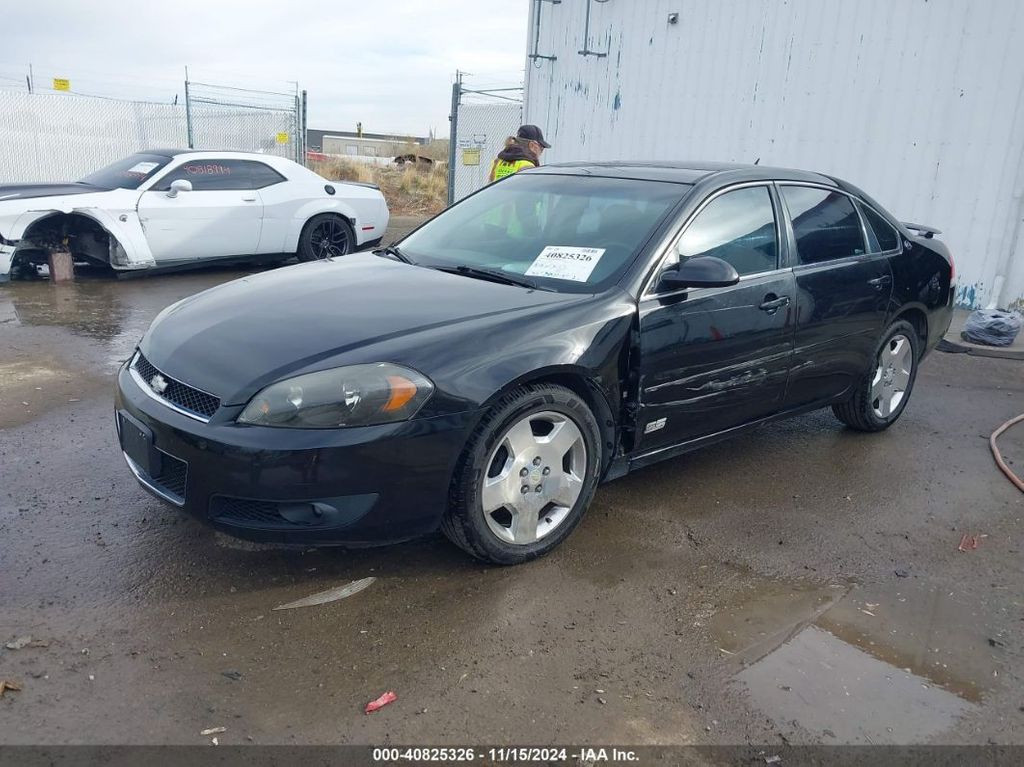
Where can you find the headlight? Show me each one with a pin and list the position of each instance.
(358, 395)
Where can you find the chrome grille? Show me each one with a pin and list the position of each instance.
(195, 401)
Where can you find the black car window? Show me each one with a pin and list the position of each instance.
(210, 175)
(885, 235)
(825, 224)
(263, 175)
(738, 227)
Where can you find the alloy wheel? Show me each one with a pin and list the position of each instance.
(892, 376)
(329, 239)
(534, 477)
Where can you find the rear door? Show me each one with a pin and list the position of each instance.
(715, 358)
(221, 216)
(842, 293)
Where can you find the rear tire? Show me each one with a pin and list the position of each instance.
(880, 399)
(542, 438)
(326, 235)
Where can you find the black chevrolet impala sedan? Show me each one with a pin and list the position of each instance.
(555, 330)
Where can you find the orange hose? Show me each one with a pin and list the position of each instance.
(999, 456)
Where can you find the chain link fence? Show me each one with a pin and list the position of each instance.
(53, 136)
(481, 120)
(222, 117)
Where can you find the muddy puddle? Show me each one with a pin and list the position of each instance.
(29, 388)
(844, 663)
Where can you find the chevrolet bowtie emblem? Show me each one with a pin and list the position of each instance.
(158, 383)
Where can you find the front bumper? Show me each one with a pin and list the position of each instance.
(373, 484)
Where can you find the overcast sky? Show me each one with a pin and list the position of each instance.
(387, 63)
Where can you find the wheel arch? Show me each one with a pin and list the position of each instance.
(584, 384)
(313, 209)
(69, 223)
(125, 230)
(917, 316)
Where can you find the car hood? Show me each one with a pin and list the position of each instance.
(29, 191)
(238, 337)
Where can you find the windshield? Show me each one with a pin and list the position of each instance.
(128, 173)
(574, 234)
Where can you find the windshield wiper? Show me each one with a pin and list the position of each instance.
(393, 250)
(491, 274)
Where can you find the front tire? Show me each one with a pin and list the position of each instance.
(527, 475)
(879, 401)
(325, 236)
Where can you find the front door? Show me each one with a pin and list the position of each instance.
(221, 216)
(715, 358)
(842, 294)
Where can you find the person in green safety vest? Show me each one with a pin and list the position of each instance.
(521, 151)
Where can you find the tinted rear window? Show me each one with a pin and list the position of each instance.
(264, 175)
(826, 224)
(885, 234)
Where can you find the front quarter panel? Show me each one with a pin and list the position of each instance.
(114, 210)
(472, 368)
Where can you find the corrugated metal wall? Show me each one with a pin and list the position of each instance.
(920, 103)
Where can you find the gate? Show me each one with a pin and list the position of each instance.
(481, 120)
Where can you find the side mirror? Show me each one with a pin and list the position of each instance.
(179, 185)
(699, 272)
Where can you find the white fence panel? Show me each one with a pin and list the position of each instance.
(59, 137)
(482, 130)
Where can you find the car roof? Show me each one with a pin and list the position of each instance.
(165, 152)
(683, 172)
(226, 153)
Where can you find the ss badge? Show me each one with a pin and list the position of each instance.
(655, 425)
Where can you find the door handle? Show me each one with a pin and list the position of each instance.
(880, 282)
(249, 199)
(773, 303)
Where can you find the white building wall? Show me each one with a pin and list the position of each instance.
(920, 103)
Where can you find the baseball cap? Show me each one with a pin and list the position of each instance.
(532, 133)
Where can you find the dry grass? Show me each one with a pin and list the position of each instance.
(410, 190)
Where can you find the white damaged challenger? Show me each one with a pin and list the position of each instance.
(164, 209)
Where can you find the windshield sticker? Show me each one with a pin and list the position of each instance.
(142, 168)
(563, 262)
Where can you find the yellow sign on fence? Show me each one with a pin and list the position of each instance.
(471, 156)
(60, 84)
(282, 138)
